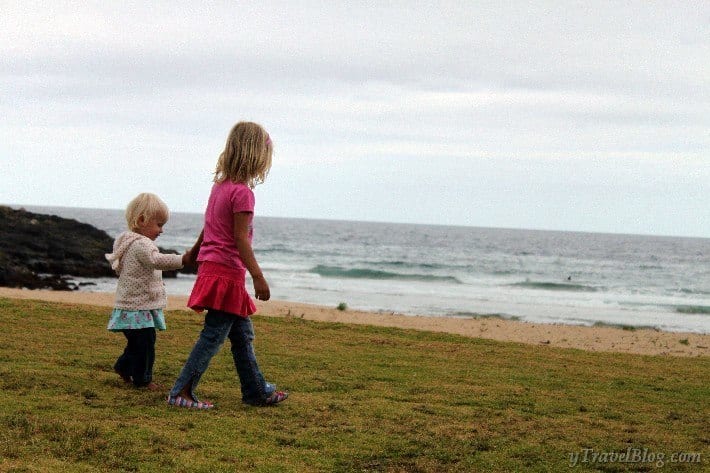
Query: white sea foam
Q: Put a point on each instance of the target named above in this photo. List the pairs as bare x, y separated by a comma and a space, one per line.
537, 276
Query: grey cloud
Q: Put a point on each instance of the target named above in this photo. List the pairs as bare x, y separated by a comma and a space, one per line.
402, 82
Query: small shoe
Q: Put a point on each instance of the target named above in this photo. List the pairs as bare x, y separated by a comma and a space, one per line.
153, 386
125, 377
275, 398
180, 401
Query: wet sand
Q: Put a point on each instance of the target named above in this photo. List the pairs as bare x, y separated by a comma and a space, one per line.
606, 339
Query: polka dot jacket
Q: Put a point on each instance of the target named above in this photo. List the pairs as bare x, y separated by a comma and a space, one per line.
139, 265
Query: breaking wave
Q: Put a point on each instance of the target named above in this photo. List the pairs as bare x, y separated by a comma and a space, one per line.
364, 273
554, 286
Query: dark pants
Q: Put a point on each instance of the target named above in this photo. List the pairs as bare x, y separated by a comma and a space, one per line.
138, 357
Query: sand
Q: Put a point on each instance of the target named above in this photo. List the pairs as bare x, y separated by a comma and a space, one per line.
604, 339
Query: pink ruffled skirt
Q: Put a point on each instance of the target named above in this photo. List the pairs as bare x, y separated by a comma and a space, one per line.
222, 288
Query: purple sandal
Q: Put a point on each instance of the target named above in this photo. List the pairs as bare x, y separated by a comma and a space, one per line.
275, 398
180, 401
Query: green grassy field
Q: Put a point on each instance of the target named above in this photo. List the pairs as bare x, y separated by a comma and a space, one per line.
362, 399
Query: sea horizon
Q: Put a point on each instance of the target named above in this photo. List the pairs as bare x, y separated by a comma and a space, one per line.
324, 219
542, 276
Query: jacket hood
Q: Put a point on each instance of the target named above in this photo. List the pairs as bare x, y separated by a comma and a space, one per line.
120, 245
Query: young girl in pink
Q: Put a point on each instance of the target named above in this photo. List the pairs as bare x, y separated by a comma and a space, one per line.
225, 255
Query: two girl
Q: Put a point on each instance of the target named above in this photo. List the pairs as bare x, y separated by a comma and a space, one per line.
224, 253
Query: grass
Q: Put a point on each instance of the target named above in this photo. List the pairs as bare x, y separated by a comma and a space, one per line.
363, 399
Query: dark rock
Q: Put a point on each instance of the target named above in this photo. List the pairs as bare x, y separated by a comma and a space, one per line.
40, 251
188, 270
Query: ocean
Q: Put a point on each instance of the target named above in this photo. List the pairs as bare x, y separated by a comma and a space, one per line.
529, 275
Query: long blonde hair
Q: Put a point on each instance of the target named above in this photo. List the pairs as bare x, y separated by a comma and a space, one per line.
247, 155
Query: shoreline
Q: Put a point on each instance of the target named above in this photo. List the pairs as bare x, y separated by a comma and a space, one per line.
641, 341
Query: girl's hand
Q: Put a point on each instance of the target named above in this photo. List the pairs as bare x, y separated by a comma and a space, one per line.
261, 288
188, 259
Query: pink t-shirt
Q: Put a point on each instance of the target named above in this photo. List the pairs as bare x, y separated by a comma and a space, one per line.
226, 199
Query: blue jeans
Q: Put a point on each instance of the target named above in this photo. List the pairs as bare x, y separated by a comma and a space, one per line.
218, 326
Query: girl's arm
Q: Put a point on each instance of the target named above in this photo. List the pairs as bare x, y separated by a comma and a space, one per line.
190, 258
241, 239
149, 255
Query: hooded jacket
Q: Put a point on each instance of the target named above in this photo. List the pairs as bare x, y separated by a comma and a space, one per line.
139, 265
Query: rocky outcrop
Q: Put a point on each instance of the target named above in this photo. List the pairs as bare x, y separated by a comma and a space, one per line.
41, 251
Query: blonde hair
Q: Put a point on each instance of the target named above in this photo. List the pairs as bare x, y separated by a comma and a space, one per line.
247, 155
146, 205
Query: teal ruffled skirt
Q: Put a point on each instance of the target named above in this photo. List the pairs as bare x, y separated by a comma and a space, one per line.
123, 319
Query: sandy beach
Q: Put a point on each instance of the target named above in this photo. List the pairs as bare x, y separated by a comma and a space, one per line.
607, 339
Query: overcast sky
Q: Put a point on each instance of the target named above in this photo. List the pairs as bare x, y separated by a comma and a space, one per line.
590, 116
